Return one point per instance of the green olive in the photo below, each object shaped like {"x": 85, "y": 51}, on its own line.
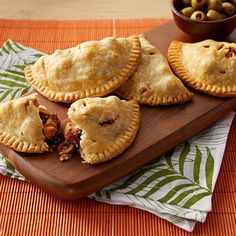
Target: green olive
{"x": 187, "y": 3}
{"x": 223, "y": 16}
{"x": 213, "y": 15}
{"x": 198, "y": 15}
{"x": 228, "y": 8}
{"x": 198, "y": 4}
{"x": 214, "y": 5}
{"x": 187, "y": 11}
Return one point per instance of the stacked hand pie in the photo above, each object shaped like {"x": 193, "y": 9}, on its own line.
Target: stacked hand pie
{"x": 101, "y": 128}
{"x": 91, "y": 69}
{"x": 153, "y": 82}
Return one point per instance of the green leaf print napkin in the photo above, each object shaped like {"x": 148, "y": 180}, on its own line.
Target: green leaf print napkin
{"x": 177, "y": 187}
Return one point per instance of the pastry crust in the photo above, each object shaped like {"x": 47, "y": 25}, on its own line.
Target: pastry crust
{"x": 93, "y": 68}
{"x": 20, "y": 125}
{"x": 153, "y": 82}
{"x": 208, "y": 66}
{"x": 109, "y": 125}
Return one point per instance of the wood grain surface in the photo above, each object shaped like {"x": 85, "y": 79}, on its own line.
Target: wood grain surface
{"x": 162, "y": 128}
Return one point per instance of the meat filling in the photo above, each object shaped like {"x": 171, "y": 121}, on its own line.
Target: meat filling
{"x": 66, "y": 142}
{"x": 51, "y": 128}
{"x": 71, "y": 143}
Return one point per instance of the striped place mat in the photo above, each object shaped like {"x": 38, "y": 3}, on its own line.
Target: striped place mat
{"x": 26, "y": 209}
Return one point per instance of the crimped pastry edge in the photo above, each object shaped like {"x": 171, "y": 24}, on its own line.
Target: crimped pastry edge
{"x": 155, "y": 100}
{"x": 21, "y": 146}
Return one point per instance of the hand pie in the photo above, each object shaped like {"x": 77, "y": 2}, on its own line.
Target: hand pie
{"x": 106, "y": 126}
{"x": 153, "y": 82}
{"x": 93, "y": 68}
{"x": 208, "y": 66}
{"x": 27, "y": 127}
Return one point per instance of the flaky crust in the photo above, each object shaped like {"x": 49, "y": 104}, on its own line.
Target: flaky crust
{"x": 20, "y": 125}
{"x": 109, "y": 125}
{"x": 208, "y": 66}
{"x": 153, "y": 82}
{"x": 93, "y": 68}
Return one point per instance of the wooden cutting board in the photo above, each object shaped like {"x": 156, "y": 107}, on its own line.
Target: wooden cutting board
{"x": 162, "y": 128}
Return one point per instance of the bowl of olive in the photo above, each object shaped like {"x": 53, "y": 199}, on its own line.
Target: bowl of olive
{"x": 214, "y": 19}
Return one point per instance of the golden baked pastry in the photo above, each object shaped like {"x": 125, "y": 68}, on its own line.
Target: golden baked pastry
{"x": 106, "y": 126}
{"x": 93, "y": 68}
{"x": 25, "y": 126}
{"x": 153, "y": 82}
{"x": 208, "y": 66}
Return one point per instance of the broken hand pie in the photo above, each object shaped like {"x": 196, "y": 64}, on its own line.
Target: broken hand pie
{"x": 25, "y": 126}
{"x": 108, "y": 126}
{"x": 208, "y": 66}
{"x": 153, "y": 82}
{"x": 93, "y": 68}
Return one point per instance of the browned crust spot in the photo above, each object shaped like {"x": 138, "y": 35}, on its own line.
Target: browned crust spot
{"x": 176, "y": 62}
{"x": 109, "y": 86}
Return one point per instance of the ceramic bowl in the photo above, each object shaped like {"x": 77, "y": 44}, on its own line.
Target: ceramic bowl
{"x": 218, "y": 29}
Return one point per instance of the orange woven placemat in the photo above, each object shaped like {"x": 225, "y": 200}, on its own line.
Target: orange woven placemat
{"x": 27, "y": 210}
